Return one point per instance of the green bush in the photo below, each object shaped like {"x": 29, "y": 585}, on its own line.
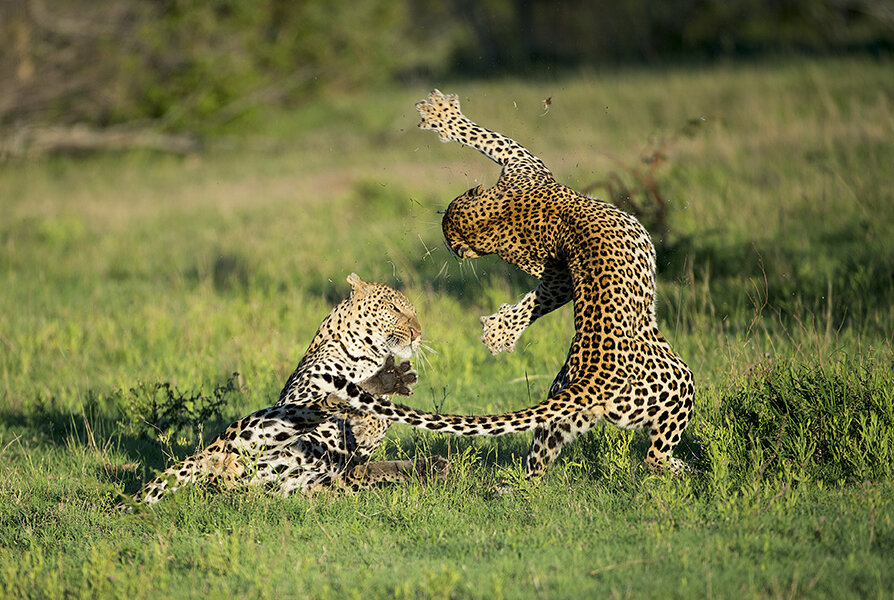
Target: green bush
{"x": 811, "y": 423}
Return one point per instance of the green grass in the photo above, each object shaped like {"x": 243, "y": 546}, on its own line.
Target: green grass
{"x": 776, "y": 284}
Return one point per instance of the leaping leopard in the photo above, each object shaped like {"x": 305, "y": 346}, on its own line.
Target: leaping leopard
{"x": 619, "y": 366}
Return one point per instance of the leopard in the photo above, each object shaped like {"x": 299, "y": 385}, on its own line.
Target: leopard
{"x": 309, "y": 440}
{"x": 582, "y": 250}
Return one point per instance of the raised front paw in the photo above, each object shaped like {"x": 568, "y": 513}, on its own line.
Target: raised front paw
{"x": 392, "y": 379}
{"x": 436, "y": 111}
{"x": 500, "y": 332}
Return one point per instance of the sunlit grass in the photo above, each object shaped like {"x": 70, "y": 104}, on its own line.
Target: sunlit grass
{"x": 775, "y": 285}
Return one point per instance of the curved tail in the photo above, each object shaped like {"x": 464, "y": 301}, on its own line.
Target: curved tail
{"x": 518, "y": 421}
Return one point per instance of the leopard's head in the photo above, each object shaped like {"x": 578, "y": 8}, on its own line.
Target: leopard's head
{"x": 383, "y": 318}
{"x": 473, "y": 222}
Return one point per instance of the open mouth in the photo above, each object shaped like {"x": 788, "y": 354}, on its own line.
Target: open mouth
{"x": 466, "y": 252}
{"x": 460, "y": 250}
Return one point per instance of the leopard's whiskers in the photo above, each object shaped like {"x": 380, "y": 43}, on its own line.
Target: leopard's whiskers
{"x": 470, "y": 265}
{"x": 422, "y": 355}
{"x": 442, "y": 271}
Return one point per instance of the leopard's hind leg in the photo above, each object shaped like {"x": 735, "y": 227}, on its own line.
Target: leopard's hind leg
{"x": 671, "y": 411}
{"x": 660, "y": 400}
{"x": 550, "y": 439}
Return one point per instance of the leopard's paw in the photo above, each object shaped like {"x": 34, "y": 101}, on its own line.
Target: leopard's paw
{"x": 436, "y": 111}
{"x": 497, "y": 331}
{"x": 392, "y": 379}
{"x": 672, "y": 465}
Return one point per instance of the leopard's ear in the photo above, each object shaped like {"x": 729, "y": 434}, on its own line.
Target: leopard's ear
{"x": 358, "y": 286}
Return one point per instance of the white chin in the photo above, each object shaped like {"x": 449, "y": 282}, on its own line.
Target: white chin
{"x": 405, "y": 352}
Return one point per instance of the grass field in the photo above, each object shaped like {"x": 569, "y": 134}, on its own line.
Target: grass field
{"x": 128, "y": 280}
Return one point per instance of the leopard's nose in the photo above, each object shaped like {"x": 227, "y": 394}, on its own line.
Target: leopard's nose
{"x": 415, "y": 330}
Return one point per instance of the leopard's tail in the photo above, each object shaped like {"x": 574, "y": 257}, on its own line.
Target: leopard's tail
{"x": 166, "y": 483}
{"x": 519, "y": 421}
{"x": 559, "y": 407}
{"x": 487, "y": 425}
{"x": 215, "y": 465}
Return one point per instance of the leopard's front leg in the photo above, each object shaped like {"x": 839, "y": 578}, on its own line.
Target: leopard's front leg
{"x": 501, "y": 330}
{"x": 440, "y": 112}
{"x": 366, "y": 475}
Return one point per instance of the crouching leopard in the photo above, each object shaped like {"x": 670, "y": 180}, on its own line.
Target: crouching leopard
{"x": 619, "y": 366}
{"x": 310, "y": 439}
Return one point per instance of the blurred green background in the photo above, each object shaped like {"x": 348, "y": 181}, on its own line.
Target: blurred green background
{"x": 209, "y": 66}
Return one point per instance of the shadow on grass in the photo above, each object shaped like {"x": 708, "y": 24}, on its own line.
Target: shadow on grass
{"x": 847, "y": 276}
{"x": 129, "y": 448}
{"x": 813, "y": 422}
{"x": 593, "y": 451}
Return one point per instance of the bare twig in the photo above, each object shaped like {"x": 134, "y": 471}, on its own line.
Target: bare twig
{"x": 644, "y": 199}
